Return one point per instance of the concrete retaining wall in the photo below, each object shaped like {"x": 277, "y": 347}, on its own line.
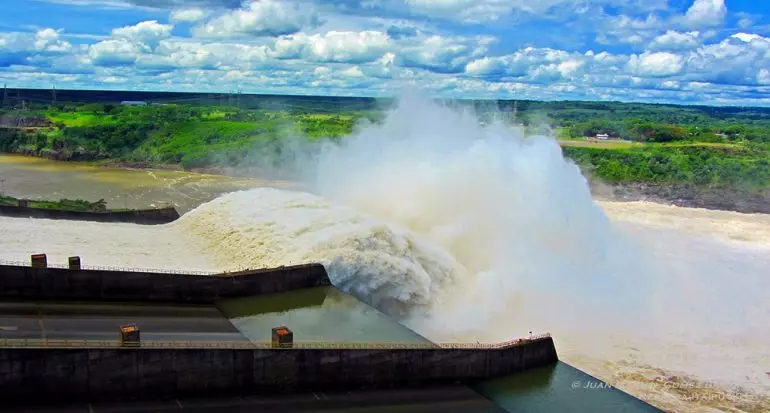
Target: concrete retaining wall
{"x": 146, "y": 216}
{"x": 122, "y": 374}
{"x": 27, "y": 283}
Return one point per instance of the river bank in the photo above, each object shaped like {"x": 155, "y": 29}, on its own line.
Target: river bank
{"x": 684, "y": 195}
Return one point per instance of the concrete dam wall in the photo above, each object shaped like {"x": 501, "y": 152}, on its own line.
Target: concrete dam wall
{"x": 145, "y": 216}
{"x": 31, "y": 283}
{"x": 93, "y": 374}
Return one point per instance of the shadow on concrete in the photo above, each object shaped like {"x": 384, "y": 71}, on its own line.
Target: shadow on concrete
{"x": 273, "y": 303}
{"x": 452, "y": 399}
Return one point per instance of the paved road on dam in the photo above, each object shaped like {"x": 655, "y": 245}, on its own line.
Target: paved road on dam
{"x": 49, "y": 321}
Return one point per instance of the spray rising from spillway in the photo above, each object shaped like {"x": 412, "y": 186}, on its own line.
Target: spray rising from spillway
{"x": 440, "y": 221}
{"x": 434, "y": 204}
{"x": 470, "y": 232}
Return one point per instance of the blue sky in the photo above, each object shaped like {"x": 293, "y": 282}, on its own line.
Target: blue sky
{"x": 680, "y": 51}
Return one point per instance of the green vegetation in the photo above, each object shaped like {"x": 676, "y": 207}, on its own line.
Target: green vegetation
{"x": 170, "y": 134}
{"x": 648, "y": 123}
{"x": 63, "y": 204}
{"x": 661, "y": 144}
{"x": 747, "y": 168}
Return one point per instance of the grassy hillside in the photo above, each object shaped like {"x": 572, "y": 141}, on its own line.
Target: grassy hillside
{"x": 171, "y": 134}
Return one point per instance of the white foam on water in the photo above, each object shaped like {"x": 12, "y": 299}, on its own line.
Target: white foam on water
{"x": 266, "y": 227}
{"x": 115, "y": 245}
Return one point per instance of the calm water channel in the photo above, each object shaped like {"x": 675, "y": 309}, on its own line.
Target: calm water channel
{"x": 325, "y": 314}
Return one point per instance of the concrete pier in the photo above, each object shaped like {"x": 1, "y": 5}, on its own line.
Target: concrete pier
{"x": 94, "y": 368}
{"x": 28, "y": 283}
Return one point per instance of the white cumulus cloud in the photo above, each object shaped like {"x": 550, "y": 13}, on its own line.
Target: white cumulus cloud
{"x": 483, "y": 11}
{"x": 43, "y": 41}
{"x": 350, "y": 47}
{"x": 763, "y": 78}
{"x": 658, "y": 64}
{"x": 225, "y": 56}
{"x": 705, "y": 13}
{"x": 191, "y": 15}
{"x": 353, "y": 71}
{"x": 321, "y": 71}
{"x": 116, "y": 52}
{"x": 738, "y": 59}
{"x": 470, "y": 11}
{"x": 260, "y": 18}
{"x": 673, "y": 41}
{"x": 526, "y": 61}
{"x": 147, "y": 32}
{"x": 745, "y": 23}
{"x": 747, "y": 37}
{"x": 437, "y": 53}
{"x": 339, "y": 47}
{"x": 48, "y": 40}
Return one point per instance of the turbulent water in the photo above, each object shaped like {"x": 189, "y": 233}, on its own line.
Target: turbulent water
{"x": 471, "y": 233}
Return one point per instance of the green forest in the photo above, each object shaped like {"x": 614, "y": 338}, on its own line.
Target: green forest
{"x": 703, "y": 146}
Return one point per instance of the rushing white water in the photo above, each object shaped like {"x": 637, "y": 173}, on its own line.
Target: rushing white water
{"x": 98, "y": 244}
{"x": 474, "y": 233}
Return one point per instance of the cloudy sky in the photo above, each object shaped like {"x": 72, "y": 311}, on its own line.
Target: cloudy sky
{"x": 688, "y": 51}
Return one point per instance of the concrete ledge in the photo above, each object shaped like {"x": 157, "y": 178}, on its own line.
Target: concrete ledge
{"x": 27, "y": 283}
{"x": 142, "y": 216}
{"x": 154, "y": 374}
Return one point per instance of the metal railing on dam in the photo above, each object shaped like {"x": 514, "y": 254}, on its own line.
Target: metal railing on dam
{"x": 247, "y": 345}
{"x": 95, "y": 283}
{"x": 107, "y": 372}
{"x": 229, "y": 272}
{"x": 115, "y": 268}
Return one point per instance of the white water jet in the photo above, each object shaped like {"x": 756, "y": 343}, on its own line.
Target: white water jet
{"x": 474, "y": 233}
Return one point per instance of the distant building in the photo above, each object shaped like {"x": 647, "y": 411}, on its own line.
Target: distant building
{"x": 602, "y": 136}
{"x": 133, "y": 103}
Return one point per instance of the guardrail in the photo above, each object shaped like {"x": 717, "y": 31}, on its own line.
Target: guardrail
{"x": 119, "y": 269}
{"x": 152, "y": 270}
{"x": 36, "y": 343}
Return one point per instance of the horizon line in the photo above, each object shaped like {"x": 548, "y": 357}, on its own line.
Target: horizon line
{"x": 482, "y": 99}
